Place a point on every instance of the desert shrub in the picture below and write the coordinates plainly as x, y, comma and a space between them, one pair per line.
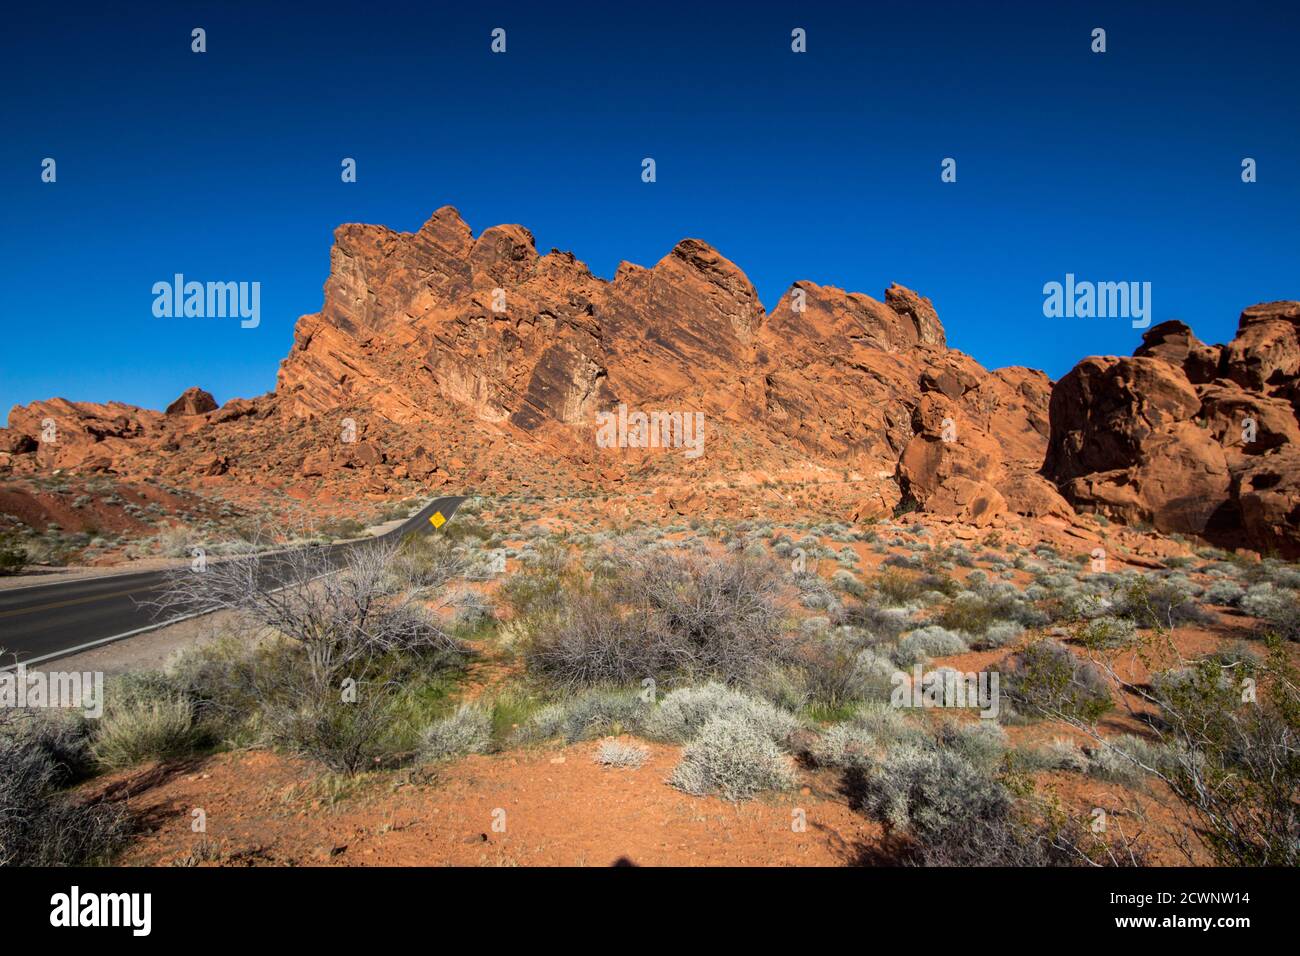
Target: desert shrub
1105, 633
596, 641
1060, 754
593, 713
1046, 679
1080, 605
974, 613
612, 753
1158, 603
666, 616
540, 587
733, 758
883, 624
854, 743
39, 824
982, 742
425, 561
784, 685
1227, 593
13, 556
61, 738
847, 582
837, 670
319, 654
140, 730
1278, 609
845, 746
968, 613
926, 642
466, 731
1000, 634
897, 589
682, 714
221, 680
1126, 757
927, 790
1231, 760
341, 528
955, 813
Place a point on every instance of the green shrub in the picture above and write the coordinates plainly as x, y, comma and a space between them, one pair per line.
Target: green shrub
142, 730
1159, 603
1046, 679
1106, 633
897, 589
13, 556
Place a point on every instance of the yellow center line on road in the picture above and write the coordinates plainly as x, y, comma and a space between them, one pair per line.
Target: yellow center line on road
69, 602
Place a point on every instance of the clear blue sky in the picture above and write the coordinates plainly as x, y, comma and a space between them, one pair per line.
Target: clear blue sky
824, 166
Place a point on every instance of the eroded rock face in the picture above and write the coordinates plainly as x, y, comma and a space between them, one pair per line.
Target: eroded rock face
441, 339
193, 401
1188, 437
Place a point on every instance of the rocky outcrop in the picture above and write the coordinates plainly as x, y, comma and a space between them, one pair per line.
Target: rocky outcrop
193, 401
503, 357
1190, 438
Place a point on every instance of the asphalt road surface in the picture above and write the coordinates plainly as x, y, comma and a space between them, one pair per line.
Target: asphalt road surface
46, 621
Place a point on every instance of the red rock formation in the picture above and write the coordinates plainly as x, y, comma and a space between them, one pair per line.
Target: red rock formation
482, 347
438, 357
193, 401
1192, 438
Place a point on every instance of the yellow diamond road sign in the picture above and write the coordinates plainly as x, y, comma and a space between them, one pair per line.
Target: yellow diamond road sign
437, 520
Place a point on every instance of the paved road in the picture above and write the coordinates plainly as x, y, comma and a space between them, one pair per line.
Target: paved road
46, 621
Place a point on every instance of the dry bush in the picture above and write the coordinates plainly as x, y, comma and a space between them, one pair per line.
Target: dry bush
612, 753
329, 642
667, 617
39, 824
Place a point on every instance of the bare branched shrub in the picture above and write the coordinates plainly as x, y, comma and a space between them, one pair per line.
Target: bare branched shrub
726, 612
329, 640
654, 614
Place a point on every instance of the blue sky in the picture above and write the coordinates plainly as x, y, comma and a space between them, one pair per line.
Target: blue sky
821, 166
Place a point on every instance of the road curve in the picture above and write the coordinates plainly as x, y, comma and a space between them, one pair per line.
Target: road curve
47, 621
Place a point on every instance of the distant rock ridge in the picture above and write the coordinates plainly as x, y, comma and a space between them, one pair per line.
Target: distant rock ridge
470, 360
